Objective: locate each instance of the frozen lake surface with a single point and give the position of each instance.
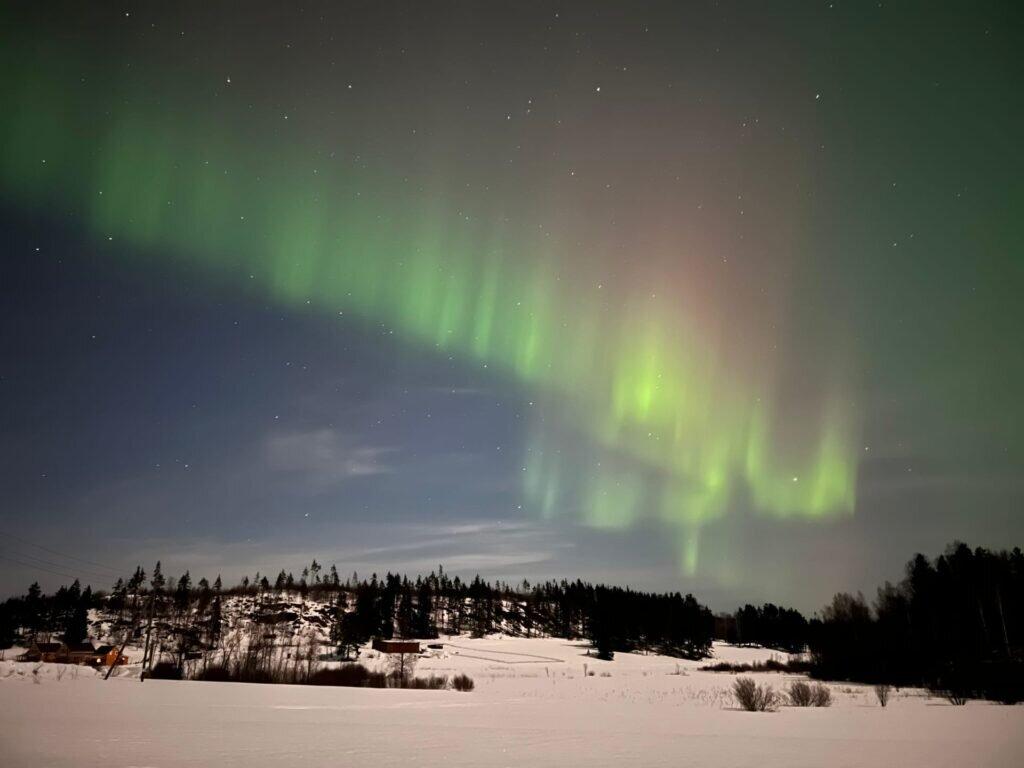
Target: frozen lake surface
(535, 704)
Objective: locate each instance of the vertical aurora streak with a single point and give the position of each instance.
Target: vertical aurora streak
(672, 408)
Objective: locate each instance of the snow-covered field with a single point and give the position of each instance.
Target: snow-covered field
(535, 704)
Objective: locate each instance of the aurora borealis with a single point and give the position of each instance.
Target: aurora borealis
(706, 250)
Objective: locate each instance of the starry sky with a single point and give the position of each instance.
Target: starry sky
(721, 297)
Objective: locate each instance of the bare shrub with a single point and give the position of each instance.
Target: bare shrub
(246, 673)
(463, 683)
(794, 666)
(955, 684)
(429, 683)
(882, 693)
(753, 697)
(402, 666)
(216, 673)
(955, 693)
(800, 694)
(821, 695)
(745, 691)
(349, 675)
(165, 670)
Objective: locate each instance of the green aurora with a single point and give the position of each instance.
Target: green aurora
(678, 423)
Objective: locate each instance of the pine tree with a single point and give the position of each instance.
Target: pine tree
(183, 592)
(404, 615)
(34, 619)
(137, 580)
(76, 626)
(344, 629)
(423, 620)
(367, 620)
(157, 580)
(601, 626)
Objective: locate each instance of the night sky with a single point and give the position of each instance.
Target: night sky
(702, 296)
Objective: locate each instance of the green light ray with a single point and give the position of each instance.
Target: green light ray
(633, 377)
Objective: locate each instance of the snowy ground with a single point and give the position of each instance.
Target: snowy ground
(534, 705)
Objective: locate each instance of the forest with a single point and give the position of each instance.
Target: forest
(178, 619)
(954, 624)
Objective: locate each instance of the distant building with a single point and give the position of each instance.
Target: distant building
(78, 653)
(42, 652)
(396, 646)
(108, 656)
(74, 653)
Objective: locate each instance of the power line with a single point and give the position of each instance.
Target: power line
(45, 562)
(114, 571)
(37, 567)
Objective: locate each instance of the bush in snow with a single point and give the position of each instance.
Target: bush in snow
(349, 675)
(463, 683)
(882, 693)
(753, 697)
(796, 666)
(821, 695)
(800, 694)
(429, 683)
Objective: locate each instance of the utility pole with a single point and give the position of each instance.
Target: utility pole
(120, 654)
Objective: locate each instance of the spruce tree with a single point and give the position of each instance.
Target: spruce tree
(157, 580)
(76, 626)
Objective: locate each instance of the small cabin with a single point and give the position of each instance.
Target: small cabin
(396, 646)
(108, 656)
(74, 653)
(43, 652)
(78, 653)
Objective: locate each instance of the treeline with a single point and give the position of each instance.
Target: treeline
(770, 626)
(955, 626)
(181, 619)
(611, 618)
(63, 615)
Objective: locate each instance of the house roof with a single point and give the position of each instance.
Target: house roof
(48, 647)
(80, 647)
(103, 650)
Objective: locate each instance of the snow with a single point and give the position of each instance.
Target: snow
(535, 704)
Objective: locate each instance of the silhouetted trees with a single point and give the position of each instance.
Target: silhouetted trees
(770, 626)
(424, 625)
(955, 625)
(63, 615)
